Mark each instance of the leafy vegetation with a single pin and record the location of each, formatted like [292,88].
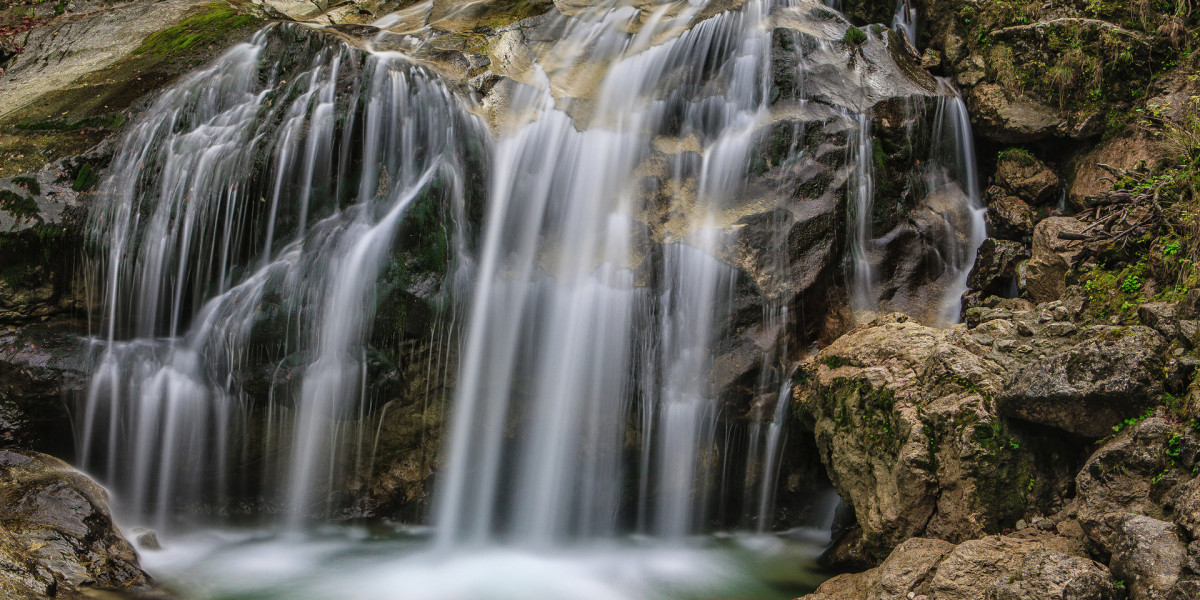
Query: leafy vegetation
[207,27]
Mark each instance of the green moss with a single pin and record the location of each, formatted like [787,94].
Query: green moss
[30,183]
[210,25]
[86,179]
[854,36]
[1020,155]
[112,121]
[22,208]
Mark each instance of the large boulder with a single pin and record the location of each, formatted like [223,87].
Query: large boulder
[903,420]
[1009,217]
[1050,575]
[1023,566]
[57,538]
[950,433]
[1026,177]
[1045,274]
[1147,554]
[1109,374]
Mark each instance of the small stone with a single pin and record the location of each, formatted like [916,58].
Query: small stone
[1006,345]
[1061,313]
[1043,524]
[1025,349]
[983,340]
[1188,330]
[148,541]
[931,60]
[1024,329]
[1021,525]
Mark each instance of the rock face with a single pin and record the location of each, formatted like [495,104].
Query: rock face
[1021,566]
[1107,375]
[41,219]
[875,396]
[40,368]
[56,535]
[926,432]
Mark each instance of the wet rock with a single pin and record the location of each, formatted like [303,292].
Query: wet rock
[148,541]
[1010,217]
[40,368]
[996,266]
[1045,273]
[1111,375]
[56,534]
[41,223]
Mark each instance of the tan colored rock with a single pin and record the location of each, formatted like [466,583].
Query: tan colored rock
[1124,151]
[1050,575]
[975,567]
[1045,273]
[1032,566]
[873,396]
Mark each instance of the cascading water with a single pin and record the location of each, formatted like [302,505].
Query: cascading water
[250,214]
[559,304]
[905,21]
[251,224]
[952,163]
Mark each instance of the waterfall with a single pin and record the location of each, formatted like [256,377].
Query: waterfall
[952,163]
[904,22]
[246,220]
[576,333]
[864,297]
[256,217]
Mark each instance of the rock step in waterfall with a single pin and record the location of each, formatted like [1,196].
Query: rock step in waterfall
[636,224]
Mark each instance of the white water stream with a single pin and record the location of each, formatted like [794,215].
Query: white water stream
[253,210]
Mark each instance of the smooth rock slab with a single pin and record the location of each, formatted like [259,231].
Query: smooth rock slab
[57,535]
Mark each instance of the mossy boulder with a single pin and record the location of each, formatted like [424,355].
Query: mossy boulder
[57,537]
[76,76]
[903,419]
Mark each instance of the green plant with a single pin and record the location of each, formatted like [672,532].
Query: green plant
[854,36]
[1131,285]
